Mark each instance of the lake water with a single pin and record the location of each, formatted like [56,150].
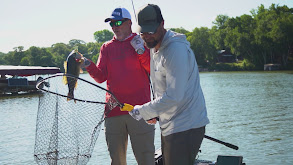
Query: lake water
[252,110]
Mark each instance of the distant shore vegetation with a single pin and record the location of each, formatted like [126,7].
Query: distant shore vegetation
[265,36]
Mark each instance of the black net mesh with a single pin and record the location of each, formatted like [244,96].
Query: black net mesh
[66,130]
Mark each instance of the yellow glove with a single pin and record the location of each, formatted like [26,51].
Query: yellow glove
[127,107]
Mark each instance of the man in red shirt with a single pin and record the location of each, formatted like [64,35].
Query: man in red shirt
[124,63]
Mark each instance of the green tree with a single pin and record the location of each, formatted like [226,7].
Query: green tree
[93,50]
[2,60]
[75,42]
[264,37]
[220,21]
[25,61]
[282,33]
[202,47]
[40,57]
[82,48]
[218,32]
[14,57]
[180,30]
[60,51]
[264,20]
[240,38]
[274,33]
[103,35]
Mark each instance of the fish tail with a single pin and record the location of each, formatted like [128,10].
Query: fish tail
[70,96]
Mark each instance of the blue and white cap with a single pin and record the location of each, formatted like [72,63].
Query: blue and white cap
[119,14]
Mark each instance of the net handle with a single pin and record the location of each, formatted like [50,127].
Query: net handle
[73,76]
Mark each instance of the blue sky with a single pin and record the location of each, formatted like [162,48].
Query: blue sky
[45,22]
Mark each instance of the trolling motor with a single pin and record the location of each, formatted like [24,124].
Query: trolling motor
[221,160]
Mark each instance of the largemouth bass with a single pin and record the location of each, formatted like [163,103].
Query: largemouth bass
[72,66]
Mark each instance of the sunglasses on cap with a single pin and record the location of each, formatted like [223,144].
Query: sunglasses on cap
[117,23]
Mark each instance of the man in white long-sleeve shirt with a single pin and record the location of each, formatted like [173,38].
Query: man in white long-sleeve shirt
[179,102]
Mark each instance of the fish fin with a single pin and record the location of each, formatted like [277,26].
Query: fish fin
[65,66]
[64,77]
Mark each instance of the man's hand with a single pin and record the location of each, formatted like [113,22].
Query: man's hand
[135,114]
[138,44]
[84,61]
[132,111]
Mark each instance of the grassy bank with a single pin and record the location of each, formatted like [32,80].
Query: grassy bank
[242,66]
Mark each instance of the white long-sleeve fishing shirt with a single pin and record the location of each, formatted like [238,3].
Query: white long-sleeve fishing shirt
[179,102]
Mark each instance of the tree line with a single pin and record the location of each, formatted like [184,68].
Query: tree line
[265,36]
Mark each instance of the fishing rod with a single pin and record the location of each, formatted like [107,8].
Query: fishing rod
[146,72]
[221,142]
[134,10]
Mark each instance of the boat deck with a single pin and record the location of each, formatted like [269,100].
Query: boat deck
[13,78]
[159,161]
[27,70]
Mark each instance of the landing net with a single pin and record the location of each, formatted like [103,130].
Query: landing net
[67,130]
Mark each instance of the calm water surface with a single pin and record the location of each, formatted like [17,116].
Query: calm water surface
[252,110]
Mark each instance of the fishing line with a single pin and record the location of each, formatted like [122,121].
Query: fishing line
[134,10]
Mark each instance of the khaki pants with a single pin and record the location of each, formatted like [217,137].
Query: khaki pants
[141,136]
[181,148]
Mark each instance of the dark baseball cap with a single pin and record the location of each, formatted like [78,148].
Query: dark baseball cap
[149,18]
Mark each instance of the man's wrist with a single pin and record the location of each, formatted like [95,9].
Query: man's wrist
[86,62]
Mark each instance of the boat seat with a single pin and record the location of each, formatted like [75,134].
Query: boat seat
[229,160]
[17,82]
